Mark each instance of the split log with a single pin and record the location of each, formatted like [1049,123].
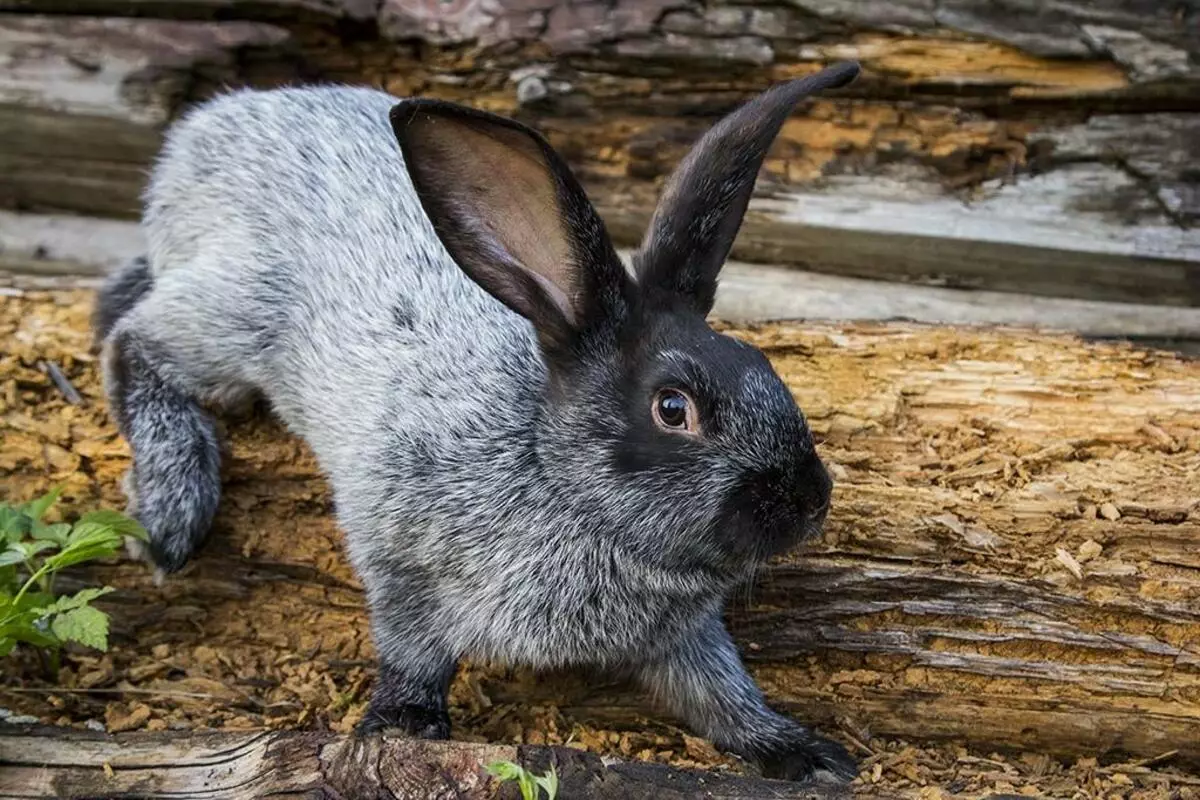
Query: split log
[64,765]
[329,11]
[62,250]
[986,145]
[1012,559]
[83,101]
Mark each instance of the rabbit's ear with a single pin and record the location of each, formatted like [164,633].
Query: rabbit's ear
[702,205]
[514,218]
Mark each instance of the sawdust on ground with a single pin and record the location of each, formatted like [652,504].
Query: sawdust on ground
[267,628]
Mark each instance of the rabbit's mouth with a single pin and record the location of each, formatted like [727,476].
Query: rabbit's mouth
[772,511]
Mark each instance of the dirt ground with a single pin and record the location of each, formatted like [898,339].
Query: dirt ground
[266,628]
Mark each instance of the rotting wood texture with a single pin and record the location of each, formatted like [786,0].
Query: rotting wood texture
[1012,558]
[1051,152]
[69,765]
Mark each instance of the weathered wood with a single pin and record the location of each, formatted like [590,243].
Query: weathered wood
[83,101]
[1154,39]
[980,139]
[754,292]
[65,764]
[61,244]
[1012,558]
[77,251]
[319,10]
[1015,238]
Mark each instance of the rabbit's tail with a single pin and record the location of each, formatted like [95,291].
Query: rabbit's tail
[119,293]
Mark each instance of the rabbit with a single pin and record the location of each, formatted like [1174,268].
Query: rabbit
[538,455]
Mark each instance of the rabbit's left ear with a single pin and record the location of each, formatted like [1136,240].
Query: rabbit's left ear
[515,219]
[702,206]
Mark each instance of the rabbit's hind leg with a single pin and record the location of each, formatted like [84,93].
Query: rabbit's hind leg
[121,291]
[174,485]
[415,664]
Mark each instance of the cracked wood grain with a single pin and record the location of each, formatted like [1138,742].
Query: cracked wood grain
[68,764]
[970,117]
[935,607]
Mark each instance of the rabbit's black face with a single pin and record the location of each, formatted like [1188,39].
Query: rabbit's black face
[710,412]
[683,441]
[776,508]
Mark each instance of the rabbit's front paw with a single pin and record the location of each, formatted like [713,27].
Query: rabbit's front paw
[416,721]
[807,757]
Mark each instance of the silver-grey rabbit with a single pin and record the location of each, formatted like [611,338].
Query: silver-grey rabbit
[538,456]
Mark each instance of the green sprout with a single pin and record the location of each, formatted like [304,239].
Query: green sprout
[32,553]
[530,784]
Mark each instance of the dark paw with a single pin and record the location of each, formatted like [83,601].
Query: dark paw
[416,721]
[808,758]
[168,555]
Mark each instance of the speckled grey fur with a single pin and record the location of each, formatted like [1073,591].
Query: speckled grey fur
[484,509]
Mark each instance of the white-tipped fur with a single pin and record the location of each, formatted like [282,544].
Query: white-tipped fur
[289,257]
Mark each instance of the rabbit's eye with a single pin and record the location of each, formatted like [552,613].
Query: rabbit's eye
[673,410]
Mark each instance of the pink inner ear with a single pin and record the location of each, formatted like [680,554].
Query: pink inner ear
[482,250]
[512,216]
[500,177]
[565,304]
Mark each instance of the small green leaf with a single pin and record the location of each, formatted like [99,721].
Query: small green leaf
[549,783]
[121,523]
[36,509]
[33,616]
[85,531]
[56,533]
[8,580]
[34,603]
[505,770]
[13,523]
[24,629]
[527,782]
[77,600]
[88,541]
[86,625]
[86,551]
[31,549]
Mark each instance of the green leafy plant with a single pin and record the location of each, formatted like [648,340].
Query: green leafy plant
[526,780]
[32,553]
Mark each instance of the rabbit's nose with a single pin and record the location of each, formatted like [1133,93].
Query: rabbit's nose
[816,492]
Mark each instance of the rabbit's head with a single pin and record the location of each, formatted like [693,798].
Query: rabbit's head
[685,440]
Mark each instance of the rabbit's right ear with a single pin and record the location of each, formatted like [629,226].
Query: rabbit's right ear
[703,202]
[514,218]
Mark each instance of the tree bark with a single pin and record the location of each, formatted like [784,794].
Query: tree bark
[1012,557]
[987,145]
[65,764]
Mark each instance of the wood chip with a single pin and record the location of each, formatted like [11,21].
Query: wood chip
[1089,550]
[1068,561]
[1109,512]
[118,720]
[1160,436]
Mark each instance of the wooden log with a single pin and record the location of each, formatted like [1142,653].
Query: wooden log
[986,146]
[1012,558]
[330,11]
[83,101]
[42,764]
[65,245]
[68,251]
[1014,238]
